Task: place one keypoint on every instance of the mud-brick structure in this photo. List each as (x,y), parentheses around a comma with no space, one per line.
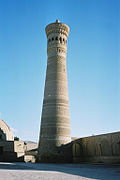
(55,123)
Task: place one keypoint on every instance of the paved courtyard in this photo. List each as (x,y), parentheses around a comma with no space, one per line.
(29,171)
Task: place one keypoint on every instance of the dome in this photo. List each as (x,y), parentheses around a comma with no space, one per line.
(5,132)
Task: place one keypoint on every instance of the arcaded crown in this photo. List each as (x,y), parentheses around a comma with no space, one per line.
(57,27)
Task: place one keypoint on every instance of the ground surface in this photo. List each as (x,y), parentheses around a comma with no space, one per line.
(29,171)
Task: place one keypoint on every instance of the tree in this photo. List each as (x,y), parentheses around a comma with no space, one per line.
(16,138)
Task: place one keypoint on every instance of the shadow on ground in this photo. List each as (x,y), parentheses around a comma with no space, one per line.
(100,172)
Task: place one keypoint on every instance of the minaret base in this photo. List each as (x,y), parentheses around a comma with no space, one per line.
(60,154)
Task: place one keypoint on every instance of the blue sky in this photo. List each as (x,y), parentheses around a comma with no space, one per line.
(93,63)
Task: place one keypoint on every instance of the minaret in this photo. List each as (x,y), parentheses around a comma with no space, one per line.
(55,123)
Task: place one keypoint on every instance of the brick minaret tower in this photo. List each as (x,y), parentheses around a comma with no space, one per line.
(55,123)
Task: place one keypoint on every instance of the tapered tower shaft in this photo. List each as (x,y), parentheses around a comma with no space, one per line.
(55,123)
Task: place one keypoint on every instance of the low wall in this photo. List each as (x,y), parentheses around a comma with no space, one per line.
(98,149)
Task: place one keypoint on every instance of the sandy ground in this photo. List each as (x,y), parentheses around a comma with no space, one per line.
(29,171)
